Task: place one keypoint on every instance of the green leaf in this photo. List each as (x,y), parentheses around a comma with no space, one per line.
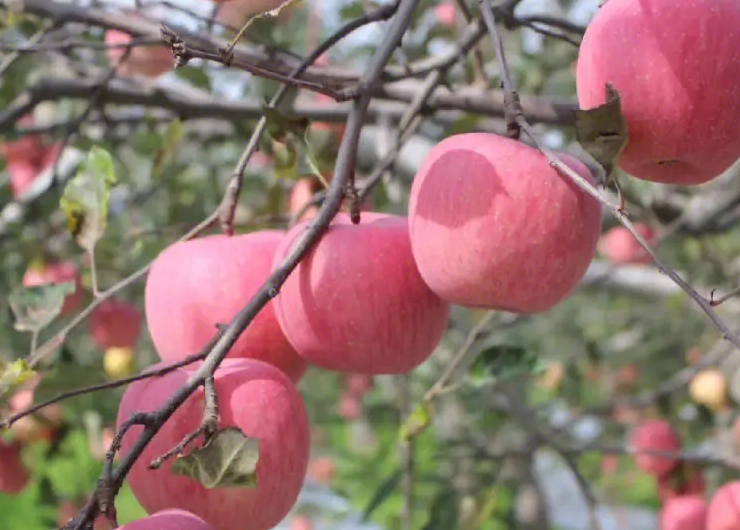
(444,511)
(602,131)
(418,421)
(171,138)
(35,308)
(503,362)
(279,125)
(195,76)
(15,374)
(85,198)
(228,459)
(382,493)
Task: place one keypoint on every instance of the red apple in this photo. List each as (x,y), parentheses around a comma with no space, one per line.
(301,522)
(687,512)
(655,435)
(60,272)
(22,175)
(619,246)
(301,194)
(13,474)
(676,484)
(349,407)
(674,66)
(235,13)
(445,13)
(356,302)
(322,470)
(41,426)
(147,61)
(724,508)
(26,149)
(358,384)
(494,226)
(168,520)
(115,324)
(194,285)
(253,396)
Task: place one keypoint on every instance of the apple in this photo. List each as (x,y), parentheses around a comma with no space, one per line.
(13,474)
(620,247)
(168,520)
(445,13)
(147,61)
(301,522)
(118,362)
(674,66)
(724,508)
(254,397)
(322,470)
(22,174)
(115,324)
(349,407)
(655,435)
(709,388)
(59,272)
(301,194)
(358,384)
(687,512)
(494,226)
(194,285)
(40,426)
(690,482)
(356,302)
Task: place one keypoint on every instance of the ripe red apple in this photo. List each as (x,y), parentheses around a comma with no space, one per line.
(445,13)
(115,324)
(691,482)
(356,302)
(13,474)
(724,508)
(494,226)
(41,426)
(349,407)
(237,11)
(358,384)
(301,194)
(687,512)
(194,285)
(301,522)
(168,520)
(618,245)
(322,470)
(60,272)
(22,175)
(147,61)
(655,435)
(253,396)
(674,66)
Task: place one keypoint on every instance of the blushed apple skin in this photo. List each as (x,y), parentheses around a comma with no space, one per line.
(147,61)
(253,396)
(13,475)
(619,247)
(655,435)
(59,272)
(356,302)
(494,226)
(724,508)
(688,512)
(115,324)
(168,520)
(194,285)
(676,67)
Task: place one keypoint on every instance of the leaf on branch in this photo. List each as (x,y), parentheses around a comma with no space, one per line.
(602,131)
(503,362)
(171,138)
(228,459)
(382,494)
(15,374)
(279,125)
(35,308)
(418,421)
(85,198)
